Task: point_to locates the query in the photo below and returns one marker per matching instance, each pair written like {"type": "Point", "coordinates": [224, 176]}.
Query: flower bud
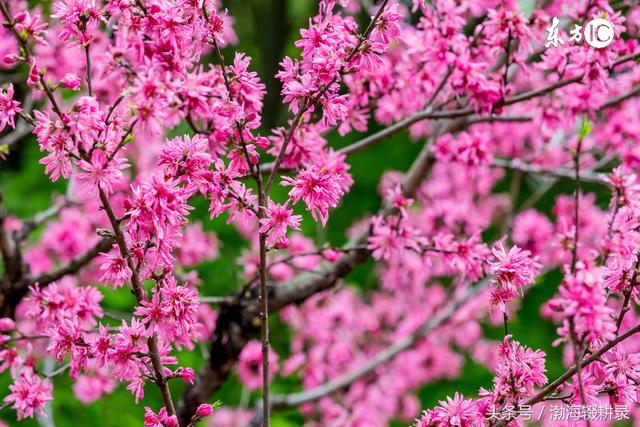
{"type": "Point", "coordinates": [70, 81]}
{"type": "Point", "coordinates": [34, 76]}
{"type": "Point", "coordinates": [138, 252]}
{"type": "Point", "coordinates": [171, 421]}
{"type": "Point", "coordinates": [10, 59]}
{"type": "Point", "coordinates": [187, 375]}
{"type": "Point", "coordinates": [6, 324]}
{"type": "Point", "coordinates": [204, 410]}
{"type": "Point", "coordinates": [20, 17]}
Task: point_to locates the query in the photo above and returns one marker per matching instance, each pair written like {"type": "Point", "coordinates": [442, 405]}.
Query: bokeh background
{"type": "Point", "coordinates": [266, 30]}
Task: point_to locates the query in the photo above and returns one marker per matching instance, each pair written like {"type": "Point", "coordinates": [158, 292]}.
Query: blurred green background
{"type": "Point", "coordinates": [266, 30]}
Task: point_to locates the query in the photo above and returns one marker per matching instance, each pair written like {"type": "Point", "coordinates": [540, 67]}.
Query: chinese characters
{"type": "Point", "coordinates": [598, 33]}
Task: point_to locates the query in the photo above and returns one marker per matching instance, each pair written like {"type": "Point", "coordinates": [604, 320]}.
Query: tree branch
{"type": "Point", "coordinates": [550, 388]}
{"type": "Point", "coordinates": [613, 102]}
{"type": "Point", "coordinates": [40, 218]}
{"type": "Point", "coordinates": [295, 399]}
{"type": "Point", "coordinates": [139, 293]}
{"type": "Point", "coordinates": [238, 323]}
{"type": "Point", "coordinates": [74, 265]}
{"type": "Point", "coordinates": [14, 267]}
{"type": "Point", "coordinates": [585, 176]}
{"type": "Point", "coordinates": [313, 100]}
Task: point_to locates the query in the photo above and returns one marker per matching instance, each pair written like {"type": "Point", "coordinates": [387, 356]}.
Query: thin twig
{"type": "Point", "coordinates": [40, 218]}
{"type": "Point", "coordinates": [551, 387]}
{"type": "Point", "coordinates": [139, 292]}
{"type": "Point", "coordinates": [295, 399]}
{"type": "Point", "coordinates": [613, 102]}
{"type": "Point", "coordinates": [74, 265]}
{"type": "Point", "coordinates": [576, 206]}
{"type": "Point", "coordinates": [312, 101]}
{"type": "Point", "coordinates": [87, 54]}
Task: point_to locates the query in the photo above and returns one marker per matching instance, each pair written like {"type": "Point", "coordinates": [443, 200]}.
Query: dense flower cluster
{"type": "Point", "coordinates": [133, 105]}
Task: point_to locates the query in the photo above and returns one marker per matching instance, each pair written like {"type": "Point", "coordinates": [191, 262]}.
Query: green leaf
{"type": "Point", "coordinates": [585, 128]}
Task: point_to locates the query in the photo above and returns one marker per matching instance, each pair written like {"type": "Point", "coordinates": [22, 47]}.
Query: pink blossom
{"type": "Point", "coordinates": [153, 313]}
{"type": "Point", "coordinates": [6, 324]}
{"type": "Point", "coordinates": [81, 19]}
{"type": "Point", "coordinates": [513, 270]}
{"type": "Point", "coordinates": [100, 346]}
{"type": "Point", "coordinates": [250, 365]}
{"type": "Point", "coordinates": [519, 370]}
{"type": "Point", "coordinates": [198, 245]}
{"type": "Point", "coordinates": [391, 238]}
{"type": "Point", "coordinates": [28, 395]}
{"type": "Point", "coordinates": [61, 302]}
{"type": "Point", "coordinates": [71, 81]}
{"type": "Point", "coordinates": [387, 27]}
{"type": "Point", "coordinates": [86, 122]}
{"type": "Point", "coordinates": [278, 219]}
{"type": "Point", "coordinates": [188, 160]}
{"type": "Point", "coordinates": [335, 109]}
{"type": "Point", "coordinates": [187, 375]}
{"type": "Point", "coordinates": [100, 173]}
{"type": "Point", "coordinates": [68, 338]}
{"type": "Point", "coordinates": [457, 412]}
{"type": "Point", "coordinates": [31, 26]}
{"type": "Point", "coordinates": [227, 417]}
{"type": "Point", "coordinates": [114, 268]}
{"type": "Point", "coordinates": [181, 305]}
{"type": "Point", "coordinates": [125, 366]}
{"type": "Point", "coordinates": [623, 364]}
{"type": "Point", "coordinates": [319, 188]}
{"type": "Point", "coordinates": [161, 419]}
{"type": "Point", "coordinates": [582, 300]}
{"type": "Point", "coordinates": [91, 387]}
{"type": "Point", "coordinates": [532, 231]}
{"type": "Point", "coordinates": [8, 108]}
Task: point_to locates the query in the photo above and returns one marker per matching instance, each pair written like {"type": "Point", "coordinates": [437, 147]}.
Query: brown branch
{"type": "Point", "coordinates": [14, 267]}
{"type": "Point", "coordinates": [87, 54]}
{"type": "Point", "coordinates": [263, 197]}
{"type": "Point", "coordinates": [405, 123]}
{"type": "Point", "coordinates": [40, 218]}
{"type": "Point", "coordinates": [343, 381]}
{"type": "Point", "coordinates": [586, 176]}
{"type": "Point", "coordinates": [139, 293]}
{"type": "Point", "coordinates": [238, 323]}
{"type": "Point", "coordinates": [262, 268]}
{"type": "Point", "coordinates": [627, 294]}
{"type": "Point", "coordinates": [313, 100]}
{"type": "Point", "coordinates": [74, 265]}
{"type": "Point", "coordinates": [614, 102]}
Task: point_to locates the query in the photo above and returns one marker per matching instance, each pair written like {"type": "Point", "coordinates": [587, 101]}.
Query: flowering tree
{"type": "Point", "coordinates": [493, 90]}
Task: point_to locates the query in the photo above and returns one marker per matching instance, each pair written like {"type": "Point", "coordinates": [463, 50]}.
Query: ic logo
{"type": "Point", "coordinates": [599, 33]}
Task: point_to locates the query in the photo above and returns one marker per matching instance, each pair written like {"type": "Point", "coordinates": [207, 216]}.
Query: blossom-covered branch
{"type": "Point", "coordinates": [296, 399]}
{"type": "Point", "coordinates": [154, 120]}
